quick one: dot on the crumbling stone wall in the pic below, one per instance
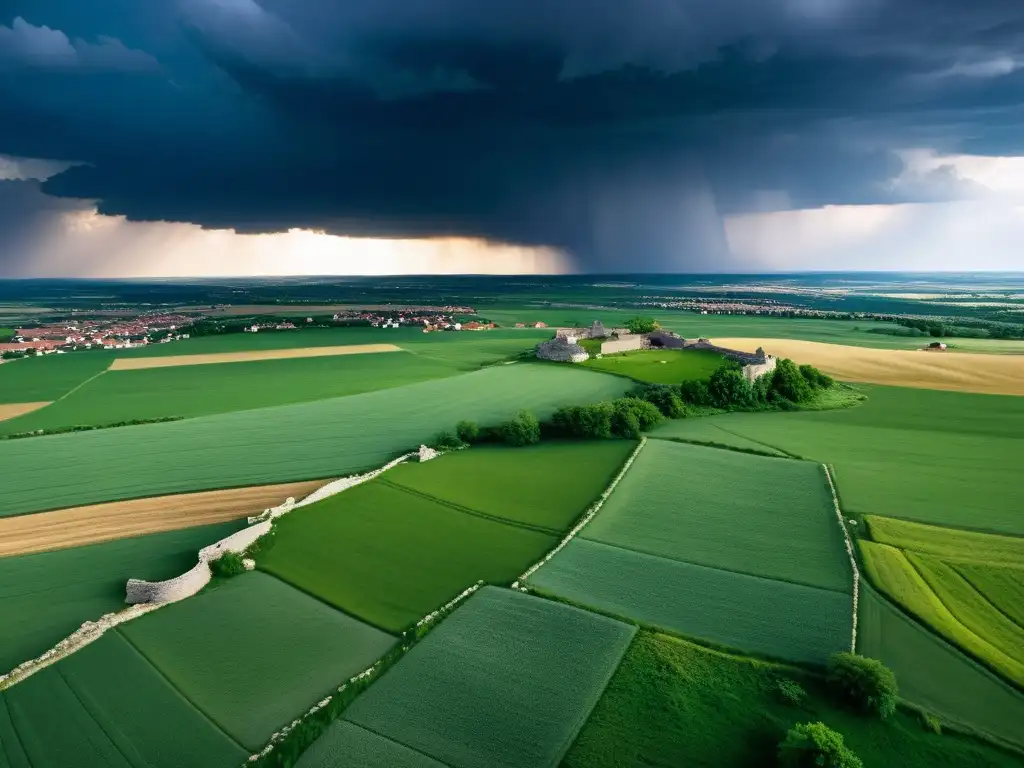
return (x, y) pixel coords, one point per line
(561, 350)
(626, 343)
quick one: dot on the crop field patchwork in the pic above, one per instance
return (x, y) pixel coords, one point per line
(762, 616)
(140, 713)
(47, 378)
(506, 681)
(390, 557)
(751, 514)
(547, 485)
(936, 675)
(216, 358)
(948, 543)
(660, 366)
(45, 597)
(1003, 586)
(672, 703)
(351, 745)
(287, 443)
(254, 653)
(905, 453)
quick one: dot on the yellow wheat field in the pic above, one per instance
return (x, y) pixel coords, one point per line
(988, 374)
(137, 363)
(75, 526)
(10, 410)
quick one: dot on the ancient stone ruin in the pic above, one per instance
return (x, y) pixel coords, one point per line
(562, 349)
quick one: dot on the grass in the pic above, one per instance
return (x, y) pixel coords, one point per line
(142, 714)
(506, 681)
(1001, 586)
(49, 377)
(672, 703)
(45, 597)
(948, 543)
(945, 458)
(254, 653)
(896, 576)
(935, 675)
(760, 616)
(751, 514)
(346, 743)
(294, 442)
(390, 556)
(547, 485)
(660, 366)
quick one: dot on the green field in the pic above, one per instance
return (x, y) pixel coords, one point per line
(390, 557)
(761, 616)
(948, 543)
(506, 681)
(660, 366)
(294, 442)
(750, 514)
(254, 653)
(547, 485)
(947, 458)
(138, 711)
(39, 379)
(893, 572)
(348, 744)
(1001, 586)
(935, 675)
(45, 597)
(672, 703)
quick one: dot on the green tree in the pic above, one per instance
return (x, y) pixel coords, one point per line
(867, 684)
(815, 745)
(788, 383)
(468, 431)
(728, 388)
(642, 325)
(664, 397)
(524, 429)
(695, 393)
(228, 564)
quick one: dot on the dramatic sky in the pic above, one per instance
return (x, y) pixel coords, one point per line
(205, 137)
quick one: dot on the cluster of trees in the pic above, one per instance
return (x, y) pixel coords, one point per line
(642, 325)
(786, 386)
(865, 684)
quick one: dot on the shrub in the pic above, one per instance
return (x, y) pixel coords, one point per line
(468, 431)
(587, 422)
(227, 565)
(524, 429)
(790, 692)
(728, 389)
(789, 384)
(642, 325)
(931, 723)
(867, 684)
(816, 378)
(815, 745)
(447, 441)
(663, 397)
(630, 410)
(695, 393)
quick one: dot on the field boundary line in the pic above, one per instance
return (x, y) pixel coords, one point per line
(393, 740)
(81, 384)
(519, 583)
(849, 554)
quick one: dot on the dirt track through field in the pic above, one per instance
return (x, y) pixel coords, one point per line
(10, 410)
(137, 363)
(76, 526)
(987, 374)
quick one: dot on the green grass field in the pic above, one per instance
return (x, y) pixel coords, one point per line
(672, 703)
(506, 681)
(936, 675)
(660, 366)
(346, 743)
(946, 458)
(761, 616)
(142, 714)
(1001, 586)
(294, 442)
(38, 379)
(751, 514)
(254, 653)
(948, 543)
(45, 597)
(895, 574)
(547, 485)
(390, 557)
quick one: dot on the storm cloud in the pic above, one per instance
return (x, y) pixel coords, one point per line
(624, 133)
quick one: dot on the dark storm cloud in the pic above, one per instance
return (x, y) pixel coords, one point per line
(619, 130)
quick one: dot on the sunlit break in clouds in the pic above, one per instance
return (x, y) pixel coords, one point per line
(274, 137)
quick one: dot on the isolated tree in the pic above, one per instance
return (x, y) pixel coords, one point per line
(642, 325)
(815, 745)
(866, 684)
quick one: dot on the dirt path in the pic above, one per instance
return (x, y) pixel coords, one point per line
(10, 410)
(987, 374)
(76, 526)
(136, 363)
